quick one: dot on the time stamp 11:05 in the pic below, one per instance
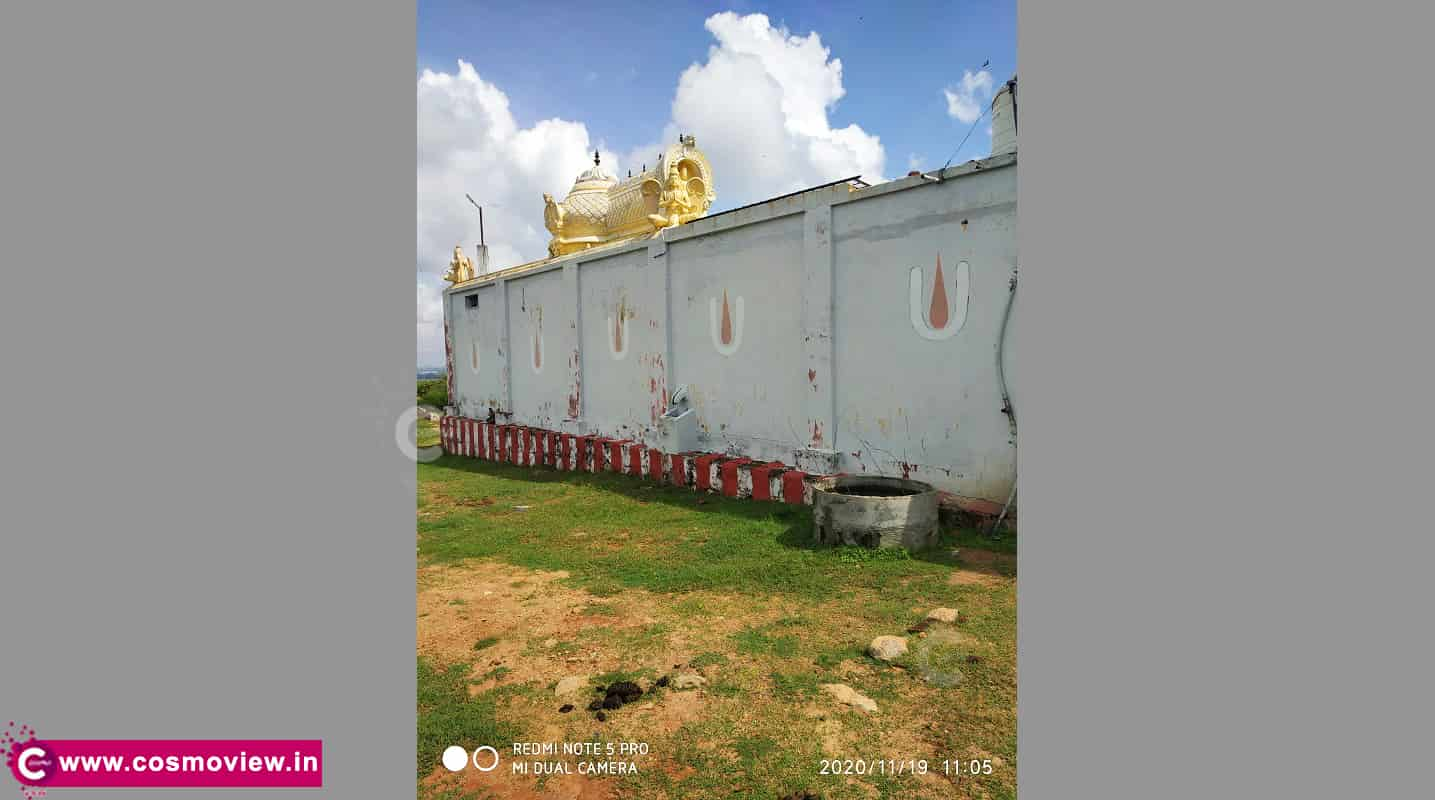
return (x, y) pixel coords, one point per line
(910, 766)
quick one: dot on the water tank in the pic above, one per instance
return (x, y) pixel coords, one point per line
(1004, 109)
(480, 267)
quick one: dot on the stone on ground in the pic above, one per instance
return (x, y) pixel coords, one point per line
(886, 648)
(570, 684)
(846, 695)
(688, 680)
(947, 615)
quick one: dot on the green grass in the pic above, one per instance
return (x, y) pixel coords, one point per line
(1004, 542)
(448, 716)
(708, 659)
(755, 641)
(485, 642)
(428, 433)
(795, 684)
(769, 615)
(433, 392)
(669, 541)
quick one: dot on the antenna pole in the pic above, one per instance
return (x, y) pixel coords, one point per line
(480, 217)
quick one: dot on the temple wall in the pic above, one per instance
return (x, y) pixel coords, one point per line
(830, 360)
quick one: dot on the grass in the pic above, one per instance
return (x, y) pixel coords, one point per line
(738, 588)
(428, 433)
(754, 641)
(447, 715)
(433, 392)
(670, 543)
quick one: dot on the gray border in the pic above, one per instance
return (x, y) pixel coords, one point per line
(1219, 592)
(198, 427)
(209, 333)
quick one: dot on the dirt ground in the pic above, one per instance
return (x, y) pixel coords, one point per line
(525, 629)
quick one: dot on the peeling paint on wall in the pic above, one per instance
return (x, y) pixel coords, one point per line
(831, 363)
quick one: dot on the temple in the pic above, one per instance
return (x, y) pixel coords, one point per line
(600, 209)
(846, 328)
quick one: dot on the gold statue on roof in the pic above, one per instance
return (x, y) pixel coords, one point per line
(602, 210)
(460, 269)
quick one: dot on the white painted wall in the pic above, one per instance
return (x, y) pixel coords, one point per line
(828, 365)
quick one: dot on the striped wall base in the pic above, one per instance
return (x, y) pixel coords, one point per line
(712, 472)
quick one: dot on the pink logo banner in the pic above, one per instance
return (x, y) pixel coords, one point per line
(167, 763)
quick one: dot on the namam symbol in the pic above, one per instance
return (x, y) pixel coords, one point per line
(726, 326)
(940, 319)
(538, 341)
(618, 332)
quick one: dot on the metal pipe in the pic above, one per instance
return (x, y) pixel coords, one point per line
(1007, 407)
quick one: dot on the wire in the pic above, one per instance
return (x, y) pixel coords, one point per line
(1007, 407)
(965, 138)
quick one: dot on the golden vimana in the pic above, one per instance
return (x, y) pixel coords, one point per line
(601, 210)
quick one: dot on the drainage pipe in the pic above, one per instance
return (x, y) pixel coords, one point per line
(1006, 397)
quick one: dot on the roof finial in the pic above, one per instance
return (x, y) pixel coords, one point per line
(595, 158)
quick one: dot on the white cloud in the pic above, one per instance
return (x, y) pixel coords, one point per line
(759, 109)
(970, 98)
(468, 142)
(915, 161)
(758, 106)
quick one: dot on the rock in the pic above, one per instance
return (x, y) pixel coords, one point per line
(663, 681)
(600, 716)
(612, 701)
(570, 684)
(596, 705)
(886, 648)
(688, 680)
(846, 695)
(565, 708)
(947, 615)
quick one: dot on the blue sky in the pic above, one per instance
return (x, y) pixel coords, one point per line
(514, 97)
(614, 65)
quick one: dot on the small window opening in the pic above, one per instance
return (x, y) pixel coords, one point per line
(471, 301)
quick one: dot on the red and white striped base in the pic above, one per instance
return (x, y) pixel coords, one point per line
(713, 472)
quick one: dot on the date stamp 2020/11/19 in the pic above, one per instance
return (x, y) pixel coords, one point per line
(905, 766)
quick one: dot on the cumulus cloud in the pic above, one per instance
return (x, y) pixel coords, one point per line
(468, 142)
(759, 106)
(968, 100)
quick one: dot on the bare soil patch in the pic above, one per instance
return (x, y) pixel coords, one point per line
(502, 783)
